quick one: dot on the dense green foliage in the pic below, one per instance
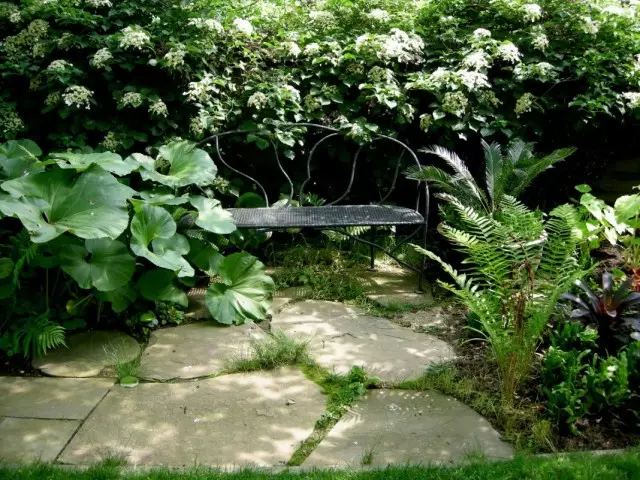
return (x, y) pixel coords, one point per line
(570, 467)
(108, 243)
(140, 72)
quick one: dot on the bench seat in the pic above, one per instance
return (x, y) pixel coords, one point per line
(325, 217)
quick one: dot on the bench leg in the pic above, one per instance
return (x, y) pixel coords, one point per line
(372, 248)
(423, 262)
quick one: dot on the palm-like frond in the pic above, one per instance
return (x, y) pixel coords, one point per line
(493, 171)
(527, 170)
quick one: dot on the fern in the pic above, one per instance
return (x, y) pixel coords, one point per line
(517, 265)
(37, 336)
(26, 253)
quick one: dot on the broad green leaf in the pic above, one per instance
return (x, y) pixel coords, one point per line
(204, 256)
(111, 162)
(120, 298)
(245, 293)
(627, 207)
(187, 165)
(90, 205)
(18, 158)
(159, 285)
(211, 216)
(6, 267)
(102, 263)
(583, 188)
(161, 197)
(154, 225)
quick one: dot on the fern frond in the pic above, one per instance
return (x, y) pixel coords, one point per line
(37, 336)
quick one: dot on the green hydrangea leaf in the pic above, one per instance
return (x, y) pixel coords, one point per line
(246, 291)
(90, 205)
(101, 263)
(120, 298)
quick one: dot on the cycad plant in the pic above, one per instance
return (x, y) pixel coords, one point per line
(508, 174)
(518, 264)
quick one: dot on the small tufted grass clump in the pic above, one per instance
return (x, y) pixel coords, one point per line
(277, 350)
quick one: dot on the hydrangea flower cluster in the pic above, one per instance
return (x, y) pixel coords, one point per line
(589, 26)
(524, 104)
(134, 38)
(10, 121)
(28, 40)
(426, 120)
(159, 108)
(480, 33)
(509, 52)
(53, 99)
(243, 26)
(321, 18)
(632, 98)
(110, 142)
(99, 3)
(531, 12)
(476, 60)
(175, 58)
(133, 99)
(207, 23)
(59, 66)
(311, 49)
(540, 41)
(399, 45)
(77, 96)
(379, 15)
(15, 17)
(291, 49)
(455, 103)
(289, 92)
(101, 58)
(201, 91)
(258, 101)
(542, 71)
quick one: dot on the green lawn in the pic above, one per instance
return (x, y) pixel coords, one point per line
(578, 467)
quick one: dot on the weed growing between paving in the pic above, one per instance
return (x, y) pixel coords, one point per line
(277, 350)
(565, 467)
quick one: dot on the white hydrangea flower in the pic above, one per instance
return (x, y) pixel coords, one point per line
(311, 49)
(101, 58)
(53, 99)
(110, 142)
(175, 57)
(207, 24)
(531, 12)
(159, 108)
(379, 15)
(473, 80)
(291, 93)
(15, 17)
(476, 60)
(133, 99)
(291, 48)
(632, 98)
(524, 104)
(401, 46)
(509, 52)
(59, 66)
(440, 78)
(447, 20)
(199, 124)
(540, 41)
(133, 37)
(99, 3)
(202, 90)
(455, 103)
(243, 26)
(545, 69)
(321, 18)
(258, 101)
(77, 96)
(589, 26)
(480, 33)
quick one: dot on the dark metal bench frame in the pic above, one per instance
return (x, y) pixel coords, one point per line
(420, 220)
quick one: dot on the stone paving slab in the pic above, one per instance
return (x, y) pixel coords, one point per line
(255, 419)
(60, 398)
(339, 339)
(25, 440)
(399, 427)
(88, 354)
(389, 285)
(195, 350)
(284, 297)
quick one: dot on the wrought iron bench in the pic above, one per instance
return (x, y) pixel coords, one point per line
(331, 216)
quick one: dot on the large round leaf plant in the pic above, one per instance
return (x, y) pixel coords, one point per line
(124, 229)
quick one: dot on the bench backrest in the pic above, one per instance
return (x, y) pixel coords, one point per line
(329, 133)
